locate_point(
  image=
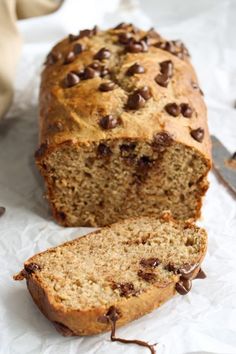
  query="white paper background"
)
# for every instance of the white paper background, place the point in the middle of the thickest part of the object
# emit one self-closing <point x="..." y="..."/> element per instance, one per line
<point x="204" y="321"/>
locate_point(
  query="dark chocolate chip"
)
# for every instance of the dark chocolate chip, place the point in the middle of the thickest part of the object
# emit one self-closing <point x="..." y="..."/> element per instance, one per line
<point x="108" y="122"/>
<point x="86" y="33"/>
<point x="197" y="134"/>
<point x="149" y="277"/>
<point x="135" y="69"/>
<point x="145" y="92"/>
<point x="103" y="53"/>
<point x="52" y="58"/>
<point x="121" y="25"/>
<point x="78" y="48"/>
<point x="73" y="37"/>
<point x="134" y="47"/>
<point x="69" y="58"/>
<point x="127" y="150"/>
<point x="135" y="101"/>
<point x="32" y="267"/>
<point x="149" y="262"/>
<point x="174" y="47"/>
<point x="2" y="210"/>
<point x="173" y="109"/>
<point x="107" y="86"/>
<point x="161" y="141"/>
<point x="89" y="73"/>
<point x="186" y="110"/>
<point x="171" y="268"/>
<point x="103" y="150"/>
<point x="72" y="80"/>
<point x="200" y="274"/>
<point x="166" y="68"/>
<point x="125" y="37"/>
<point x="95" y="65"/>
<point x="162" y="80"/>
<point x="144" y="163"/>
<point x="41" y="150"/>
<point x="63" y="330"/>
<point x="187" y="270"/>
<point x="183" y="286"/>
<point x="125" y="289"/>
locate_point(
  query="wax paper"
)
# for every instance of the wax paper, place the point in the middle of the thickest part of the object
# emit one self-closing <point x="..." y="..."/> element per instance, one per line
<point x="204" y="321"/>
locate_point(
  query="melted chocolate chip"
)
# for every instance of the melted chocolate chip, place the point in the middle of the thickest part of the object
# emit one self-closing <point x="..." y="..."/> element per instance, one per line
<point x="69" y="58"/>
<point x="149" y="262"/>
<point x="147" y="276"/>
<point x="108" y="122"/>
<point x="183" y="286"/>
<point x="113" y="314"/>
<point x="162" y="80"/>
<point x="173" y="109"/>
<point x="78" y="48"/>
<point x="63" y="330"/>
<point x="107" y="86"/>
<point x="32" y="267"/>
<point x="103" y="150"/>
<point x="125" y="38"/>
<point x="135" y="101"/>
<point x="186" y="110"/>
<point x="200" y="274"/>
<point x="102" y="54"/>
<point x="145" y="92"/>
<point x="161" y="141"/>
<point x="71" y="80"/>
<point x="125" y="289"/>
<point x="197" y="134"/>
<point x="2" y="210"/>
<point x="166" y="68"/>
<point x="135" y="69"/>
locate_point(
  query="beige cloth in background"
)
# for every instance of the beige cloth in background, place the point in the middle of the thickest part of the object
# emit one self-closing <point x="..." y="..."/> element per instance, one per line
<point x="10" y="40"/>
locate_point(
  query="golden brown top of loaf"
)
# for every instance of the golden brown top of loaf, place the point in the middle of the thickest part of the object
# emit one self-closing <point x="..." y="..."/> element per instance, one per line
<point x="121" y="83"/>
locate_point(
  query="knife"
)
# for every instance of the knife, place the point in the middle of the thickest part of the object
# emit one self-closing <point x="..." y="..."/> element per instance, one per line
<point x="224" y="163"/>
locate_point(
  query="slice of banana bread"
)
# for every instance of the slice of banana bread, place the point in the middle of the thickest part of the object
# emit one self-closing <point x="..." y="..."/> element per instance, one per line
<point x="132" y="266"/>
<point x="122" y="118"/>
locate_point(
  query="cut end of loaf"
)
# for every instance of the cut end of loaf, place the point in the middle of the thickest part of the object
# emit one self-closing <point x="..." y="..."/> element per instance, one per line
<point x="101" y="183"/>
<point x="133" y="265"/>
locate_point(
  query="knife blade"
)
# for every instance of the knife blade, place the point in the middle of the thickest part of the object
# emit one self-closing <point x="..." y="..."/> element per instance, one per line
<point x="223" y="163"/>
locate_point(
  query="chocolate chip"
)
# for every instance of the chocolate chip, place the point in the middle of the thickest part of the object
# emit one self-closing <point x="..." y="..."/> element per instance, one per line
<point x="149" y="277"/>
<point x="135" y="101"/>
<point x="174" y="47"/>
<point x="125" y="289"/>
<point x="89" y="73"/>
<point x="32" y="267"/>
<point x="183" y="286"/>
<point x="197" y="134"/>
<point x="149" y="262"/>
<point x="86" y="33"/>
<point x="73" y="37"/>
<point x="69" y="58"/>
<point x="143" y="164"/>
<point x="107" y="86"/>
<point x="161" y="141"/>
<point x="145" y="92"/>
<point x="200" y="274"/>
<point x="153" y="34"/>
<point x="95" y="65"/>
<point x="113" y="314"/>
<point x="41" y="150"/>
<point x="103" y="53"/>
<point x="63" y="330"/>
<point x="171" y="268"/>
<point x="187" y="270"/>
<point x="173" y="109"/>
<point x="95" y="30"/>
<point x="134" y="47"/>
<point x="166" y="68"/>
<point x="103" y="150"/>
<point x="125" y="37"/>
<point x="135" y="69"/>
<point x="52" y="58"/>
<point x="72" y="80"/>
<point x="108" y="122"/>
<point x="126" y="150"/>
<point x="2" y="210"/>
<point x="162" y="80"/>
<point x="186" y="110"/>
<point x="78" y="48"/>
<point x="121" y="25"/>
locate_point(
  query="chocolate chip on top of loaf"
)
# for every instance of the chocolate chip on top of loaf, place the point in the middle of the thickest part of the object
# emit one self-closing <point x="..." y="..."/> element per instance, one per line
<point x="120" y="87"/>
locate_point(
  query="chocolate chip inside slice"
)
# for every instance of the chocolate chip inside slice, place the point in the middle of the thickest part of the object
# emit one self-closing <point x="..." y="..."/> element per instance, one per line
<point x="173" y="109"/>
<point x="72" y="80"/>
<point x="197" y="134"/>
<point x="125" y="289"/>
<point x="103" y="150"/>
<point x="186" y="110"/>
<point x="2" y="210"/>
<point x="108" y="122"/>
<point x="102" y="54"/>
<point x="147" y="276"/>
<point x="135" y="101"/>
<point x="162" y="80"/>
<point x="107" y="86"/>
<point x="135" y="69"/>
<point x="149" y="262"/>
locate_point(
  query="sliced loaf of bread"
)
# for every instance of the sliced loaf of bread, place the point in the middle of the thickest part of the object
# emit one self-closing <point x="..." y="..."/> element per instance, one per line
<point x="115" y="274"/>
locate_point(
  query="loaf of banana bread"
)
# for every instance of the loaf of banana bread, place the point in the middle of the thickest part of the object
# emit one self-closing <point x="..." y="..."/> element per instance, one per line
<point x="123" y="128"/>
<point x="117" y="273"/>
